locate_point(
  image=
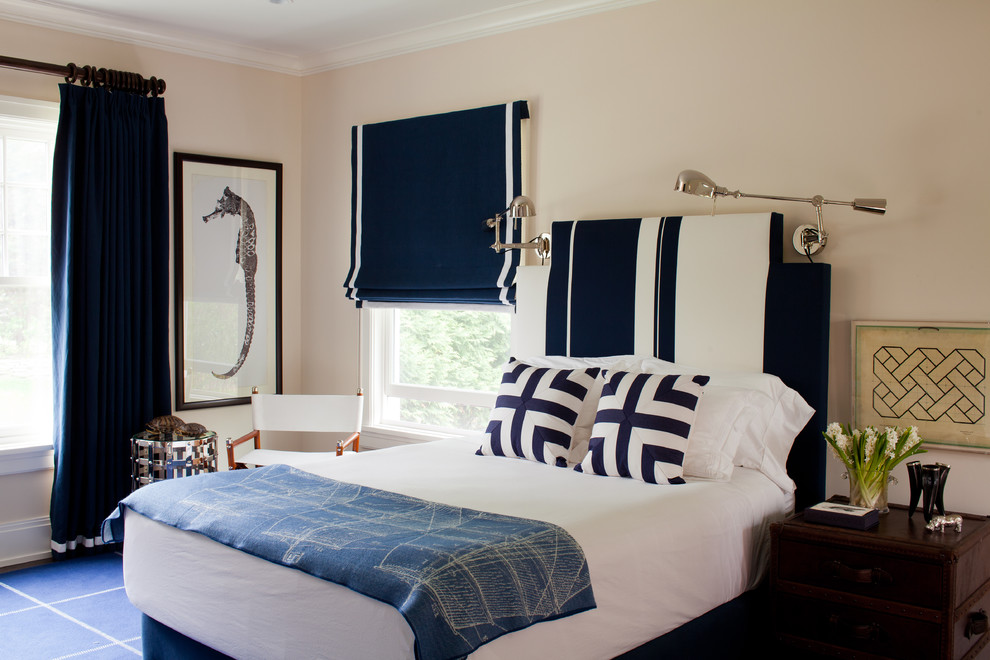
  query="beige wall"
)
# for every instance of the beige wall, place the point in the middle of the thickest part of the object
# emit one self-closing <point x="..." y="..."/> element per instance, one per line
<point x="212" y="108"/>
<point x="842" y="98"/>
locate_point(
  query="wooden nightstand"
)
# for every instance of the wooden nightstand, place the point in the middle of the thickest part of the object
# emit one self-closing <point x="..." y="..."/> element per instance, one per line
<point x="895" y="591"/>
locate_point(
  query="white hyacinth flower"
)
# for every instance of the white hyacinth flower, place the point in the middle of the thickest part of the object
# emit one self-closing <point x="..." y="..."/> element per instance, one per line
<point x="892" y="435"/>
<point x="871" y="441"/>
<point x="913" y="438"/>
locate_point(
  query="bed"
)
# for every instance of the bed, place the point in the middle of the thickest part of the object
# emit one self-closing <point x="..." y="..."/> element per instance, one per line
<point x="674" y="568"/>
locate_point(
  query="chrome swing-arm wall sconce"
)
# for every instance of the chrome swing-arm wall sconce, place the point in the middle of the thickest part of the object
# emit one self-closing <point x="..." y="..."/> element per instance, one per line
<point x="521" y="207"/>
<point x="808" y="239"/>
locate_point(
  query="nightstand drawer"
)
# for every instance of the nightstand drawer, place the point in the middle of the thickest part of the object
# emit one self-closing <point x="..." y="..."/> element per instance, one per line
<point x="861" y="572"/>
<point x="857" y="628"/>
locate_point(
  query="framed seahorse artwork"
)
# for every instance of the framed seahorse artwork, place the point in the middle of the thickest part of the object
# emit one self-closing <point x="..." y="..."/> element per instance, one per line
<point x="228" y="279"/>
<point x="929" y="375"/>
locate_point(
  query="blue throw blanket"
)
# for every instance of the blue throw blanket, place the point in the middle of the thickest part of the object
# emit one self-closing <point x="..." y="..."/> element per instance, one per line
<point x="459" y="577"/>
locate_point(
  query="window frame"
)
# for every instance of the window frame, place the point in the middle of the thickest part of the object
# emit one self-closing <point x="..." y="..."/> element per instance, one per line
<point x="22" y="450"/>
<point x="378" y="368"/>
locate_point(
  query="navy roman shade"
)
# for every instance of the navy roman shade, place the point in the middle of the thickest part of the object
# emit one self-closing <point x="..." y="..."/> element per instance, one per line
<point x="421" y="190"/>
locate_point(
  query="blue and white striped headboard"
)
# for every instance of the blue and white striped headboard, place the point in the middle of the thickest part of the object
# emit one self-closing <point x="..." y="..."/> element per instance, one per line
<point x="708" y="291"/>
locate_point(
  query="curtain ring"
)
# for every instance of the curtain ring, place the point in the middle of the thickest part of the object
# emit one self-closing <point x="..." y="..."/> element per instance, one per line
<point x="71" y="78"/>
<point x="87" y="76"/>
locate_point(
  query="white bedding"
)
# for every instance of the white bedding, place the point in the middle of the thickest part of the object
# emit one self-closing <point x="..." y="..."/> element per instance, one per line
<point x="658" y="556"/>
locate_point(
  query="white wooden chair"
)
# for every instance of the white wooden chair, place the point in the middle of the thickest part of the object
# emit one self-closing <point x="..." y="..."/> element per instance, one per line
<point x="319" y="413"/>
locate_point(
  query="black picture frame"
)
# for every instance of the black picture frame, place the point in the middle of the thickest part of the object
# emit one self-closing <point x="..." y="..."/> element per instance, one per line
<point x="227" y="226"/>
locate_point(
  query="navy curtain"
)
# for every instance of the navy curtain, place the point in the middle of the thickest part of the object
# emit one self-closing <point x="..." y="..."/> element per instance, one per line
<point x="109" y="300"/>
<point x="422" y="189"/>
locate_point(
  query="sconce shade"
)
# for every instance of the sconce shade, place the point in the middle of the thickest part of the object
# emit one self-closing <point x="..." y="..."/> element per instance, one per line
<point x="694" y="182"/>
<point x="521" y="207"/>
<point x="871" y="205"/>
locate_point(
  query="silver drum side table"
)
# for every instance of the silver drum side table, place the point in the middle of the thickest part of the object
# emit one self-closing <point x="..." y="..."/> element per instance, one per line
<point x="158" y="456"/>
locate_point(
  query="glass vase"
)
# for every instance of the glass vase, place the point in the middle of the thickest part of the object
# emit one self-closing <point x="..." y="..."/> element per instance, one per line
<point x="869" y="493"/>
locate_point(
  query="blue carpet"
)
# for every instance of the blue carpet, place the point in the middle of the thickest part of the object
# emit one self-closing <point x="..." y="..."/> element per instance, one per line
<point x="69" y="609"/>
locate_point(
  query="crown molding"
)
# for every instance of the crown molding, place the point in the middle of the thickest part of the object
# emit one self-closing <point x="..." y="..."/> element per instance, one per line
<point x="100" y="26"/>
<point x="499" y="21"/>
<point x="514" y="17"/>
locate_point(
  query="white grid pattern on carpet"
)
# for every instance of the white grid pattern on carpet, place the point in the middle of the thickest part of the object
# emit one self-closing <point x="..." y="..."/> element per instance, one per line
<point x="69" y="609"/>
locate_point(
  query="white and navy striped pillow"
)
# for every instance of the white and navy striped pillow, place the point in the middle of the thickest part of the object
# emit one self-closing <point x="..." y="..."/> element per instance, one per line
<point x="536" y="412"/>
<point x="642" y="426"/>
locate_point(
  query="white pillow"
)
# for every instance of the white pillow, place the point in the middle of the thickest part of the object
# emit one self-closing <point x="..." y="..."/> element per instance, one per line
<point x="725" y="415"/>
<point x="536" y="411"/>
<point x="565" y="362"/>
<point x="789" y="416"/>
<point x="642" y="426"/>
<point x="765" y="439"/>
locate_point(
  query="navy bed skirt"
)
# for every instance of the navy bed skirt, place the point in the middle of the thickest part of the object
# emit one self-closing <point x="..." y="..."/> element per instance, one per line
<point x="159" y="642"/>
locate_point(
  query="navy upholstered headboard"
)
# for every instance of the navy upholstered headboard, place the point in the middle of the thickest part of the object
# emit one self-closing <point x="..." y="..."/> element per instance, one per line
<point x="708" y="291"/>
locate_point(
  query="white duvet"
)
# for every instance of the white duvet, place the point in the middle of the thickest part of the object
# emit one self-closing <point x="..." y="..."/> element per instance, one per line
<point x="658" y="556"/>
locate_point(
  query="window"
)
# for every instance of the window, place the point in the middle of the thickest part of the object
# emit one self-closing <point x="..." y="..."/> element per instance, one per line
<point x="436" y="370"/>
<point x="27" y="138"/>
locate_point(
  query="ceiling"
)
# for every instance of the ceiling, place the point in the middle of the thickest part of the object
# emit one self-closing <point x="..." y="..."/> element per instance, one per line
<point x="296" y="36"/>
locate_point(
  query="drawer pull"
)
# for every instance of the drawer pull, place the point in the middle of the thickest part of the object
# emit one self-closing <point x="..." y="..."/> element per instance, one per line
<point x="839" y="571"/>
<point x="977" y="624"/>
<point x="860" y="631"/>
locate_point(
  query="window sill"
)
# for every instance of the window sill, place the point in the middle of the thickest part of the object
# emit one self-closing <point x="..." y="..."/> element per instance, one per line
<point x="25" y="456"/>
<point x="382" y="436"/>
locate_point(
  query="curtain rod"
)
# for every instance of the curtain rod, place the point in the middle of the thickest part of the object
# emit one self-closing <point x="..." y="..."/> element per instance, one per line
<point x="110" y="79"/>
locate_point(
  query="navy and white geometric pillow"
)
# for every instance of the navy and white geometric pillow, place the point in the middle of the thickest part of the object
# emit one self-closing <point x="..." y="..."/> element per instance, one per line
<point x="642" y="426"/>
<point x="535" y="412"/>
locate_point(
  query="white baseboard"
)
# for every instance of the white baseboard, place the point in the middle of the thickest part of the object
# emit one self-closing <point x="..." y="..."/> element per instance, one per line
<point x="23" y="541"/>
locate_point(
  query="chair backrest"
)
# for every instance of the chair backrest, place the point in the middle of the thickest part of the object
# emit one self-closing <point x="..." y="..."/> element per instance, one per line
<point x="307" y="412"/>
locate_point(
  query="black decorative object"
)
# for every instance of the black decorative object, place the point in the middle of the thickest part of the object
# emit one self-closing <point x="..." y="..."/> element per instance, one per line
<point x="943" y="475"/>
<point x="929" y="486"/>
<point x="914" y="479"/>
